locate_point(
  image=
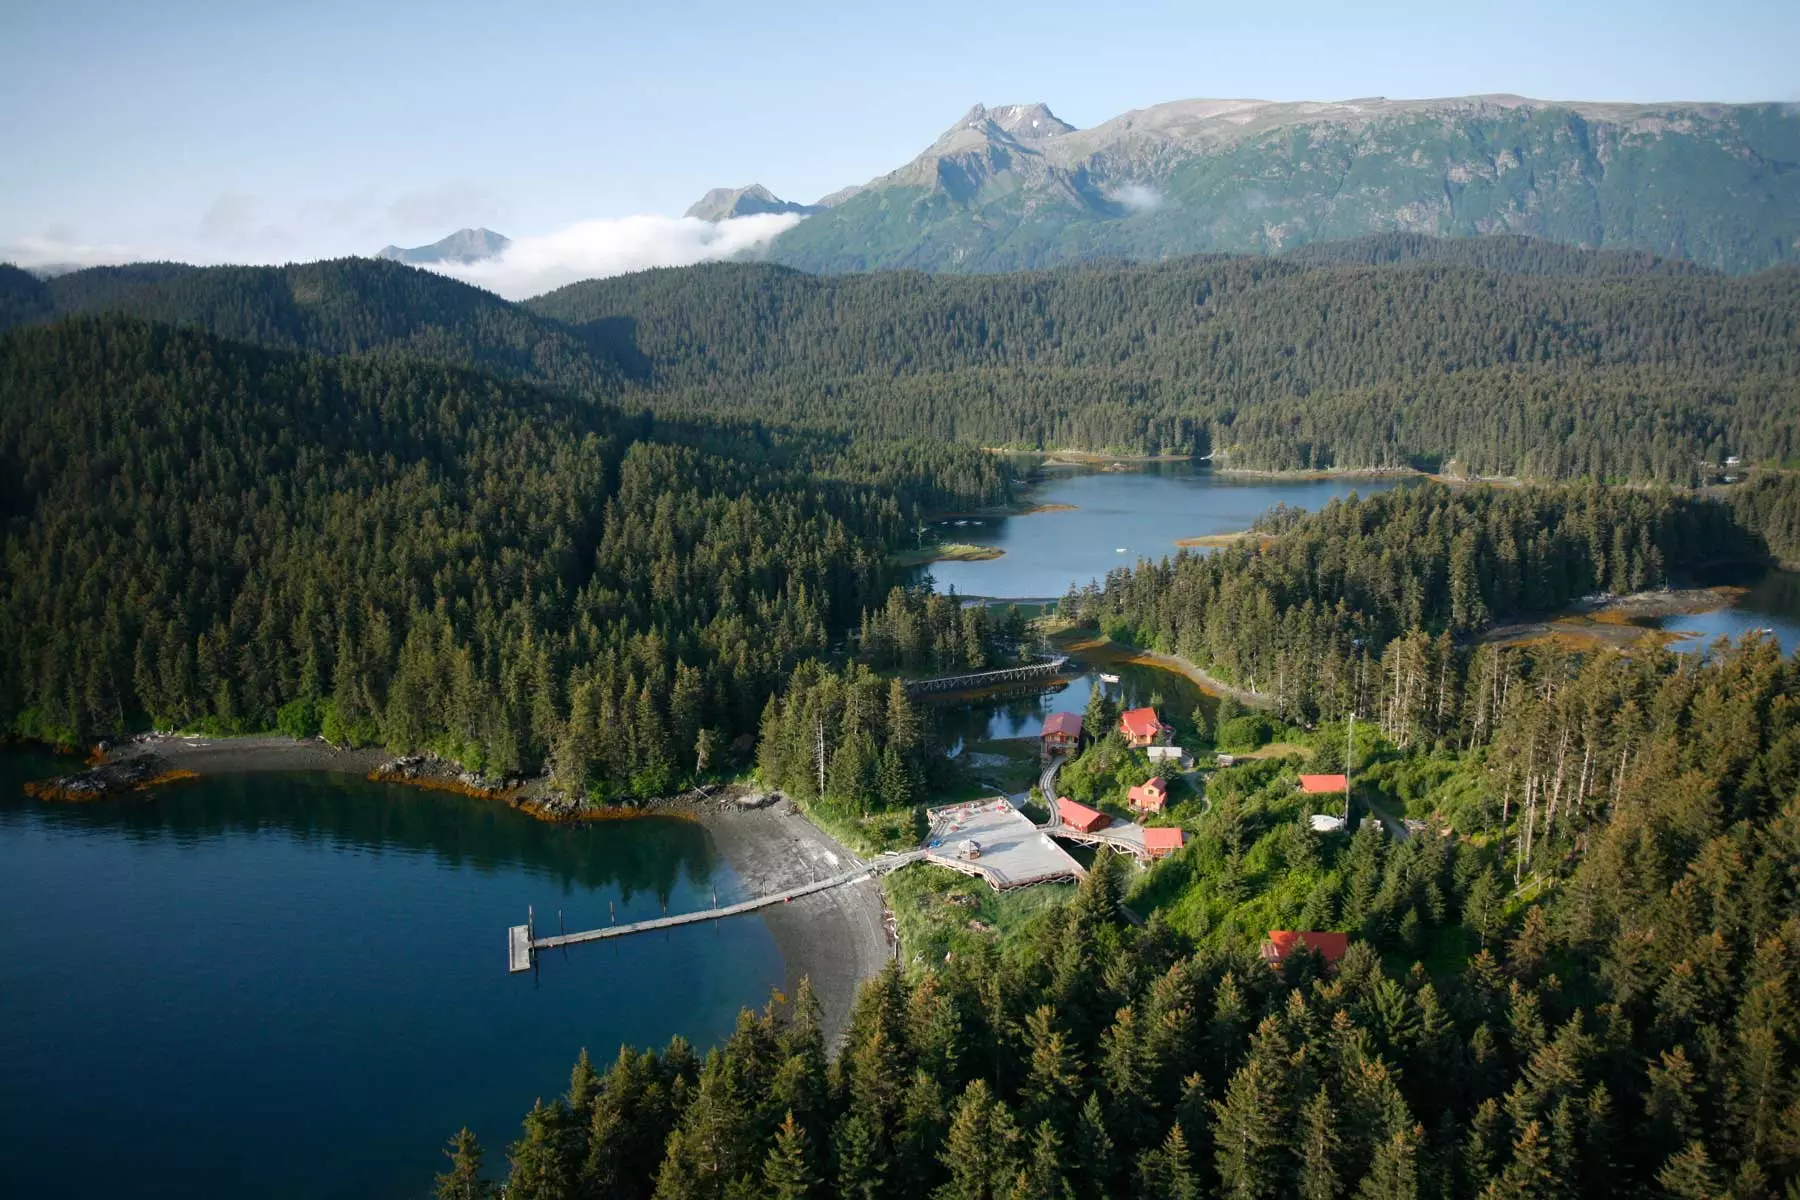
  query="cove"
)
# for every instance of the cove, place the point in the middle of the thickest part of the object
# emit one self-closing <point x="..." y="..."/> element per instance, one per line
<point x="295" y="985"/>
<point x="1142" y="508"/>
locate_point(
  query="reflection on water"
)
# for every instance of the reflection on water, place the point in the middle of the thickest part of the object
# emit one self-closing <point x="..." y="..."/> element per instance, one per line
<point x="1021" y="714"/>
<point x="1142" y="511"/>
<point x="1770" y="602"/>
<point x="296" y="985"/>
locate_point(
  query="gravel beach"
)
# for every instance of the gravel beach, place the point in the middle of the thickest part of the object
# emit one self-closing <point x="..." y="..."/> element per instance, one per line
<point x="837" y="938"/>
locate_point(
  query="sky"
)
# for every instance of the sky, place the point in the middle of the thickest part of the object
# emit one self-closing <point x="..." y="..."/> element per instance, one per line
<point x="250" y="131"/>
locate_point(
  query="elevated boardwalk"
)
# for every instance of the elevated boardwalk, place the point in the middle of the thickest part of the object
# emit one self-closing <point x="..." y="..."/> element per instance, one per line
<point x="1035" y="672"/>
<point x="522" y="946"/>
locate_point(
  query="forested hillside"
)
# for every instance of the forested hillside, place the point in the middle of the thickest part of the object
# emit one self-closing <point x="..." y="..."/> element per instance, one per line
<point x="1623" y="1026"/>
<point x="342" y="306"/>
<point x="1495" y="356"/>
<point x="201" y="534"/>
<point x="1612" y="373"/>
<point x="1305" y="618"/>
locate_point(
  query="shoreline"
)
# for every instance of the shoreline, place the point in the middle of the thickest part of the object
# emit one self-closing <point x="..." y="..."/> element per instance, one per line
<point x="837" y="938"/>
<point x="1101" y="649"/>
<point x="1616" y="621"/>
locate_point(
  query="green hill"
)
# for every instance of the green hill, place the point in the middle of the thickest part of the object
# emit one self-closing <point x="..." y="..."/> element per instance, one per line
<point x="341" y="306"/>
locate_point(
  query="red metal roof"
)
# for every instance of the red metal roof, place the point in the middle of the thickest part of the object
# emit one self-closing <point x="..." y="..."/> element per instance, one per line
<point x="1141" y="722"/>
<point x="1162" y="837"/>
<point x="1080" y="816"/>
<point x="1066" y="723"/>
<point x="1283" y="942"/>
<point x="1323" y="785"/>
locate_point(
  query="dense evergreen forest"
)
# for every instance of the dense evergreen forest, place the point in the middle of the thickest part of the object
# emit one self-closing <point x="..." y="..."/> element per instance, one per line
<point x="201" y="534"/>
<point x="1621" y="1025"/>
<point x="1264" y="363"/>
<point x="1303" y="618"/>
<point x="1492" y="356"/>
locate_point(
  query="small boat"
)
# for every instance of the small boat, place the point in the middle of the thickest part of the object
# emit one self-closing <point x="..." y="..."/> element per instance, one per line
<point x="1105" y="678"/>
<point x="960" y="524"/>
<point x="1118" y="549"/>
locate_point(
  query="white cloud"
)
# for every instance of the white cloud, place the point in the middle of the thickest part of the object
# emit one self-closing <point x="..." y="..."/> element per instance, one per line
<point x="58" y="249"/>
<point x="613" y="246"/>
<point x="1136" y="197"/>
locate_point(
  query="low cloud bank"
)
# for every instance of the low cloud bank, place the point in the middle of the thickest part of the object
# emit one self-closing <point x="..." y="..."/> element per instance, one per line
<point x="53" y="254"/>
<point x="614" y="246"/>
<point x="1136" y="197"/>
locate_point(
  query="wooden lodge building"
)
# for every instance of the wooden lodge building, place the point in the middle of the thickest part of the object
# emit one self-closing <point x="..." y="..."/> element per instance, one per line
<point x="1142" y="728"/>
<point x="1151" y="796"/>
<point x="1080" y="817"/>
<point x="1160" y="841"/>
<point x="1061" y="734"/>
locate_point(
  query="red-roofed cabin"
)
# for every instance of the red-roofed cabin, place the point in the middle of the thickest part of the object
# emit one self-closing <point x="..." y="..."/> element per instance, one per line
<point x="1324" y="785"/>
<point x="1062" y="731"/>
<point x="1142" y="727"/>
<point x="1160" y="841"/>
<point x="1079" y="817"/>
<point x="1150" y="796"/>
<point x="1284" y="942"/>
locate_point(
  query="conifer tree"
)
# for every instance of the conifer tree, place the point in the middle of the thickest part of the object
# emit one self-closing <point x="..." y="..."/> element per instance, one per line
<point x="463" y="1180"/>
<point x="787" y="1173"/>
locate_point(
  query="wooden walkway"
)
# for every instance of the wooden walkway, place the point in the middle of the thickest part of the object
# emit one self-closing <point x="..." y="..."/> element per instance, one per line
<point x="1048" y="669"/>
<point x="522" y="946"/>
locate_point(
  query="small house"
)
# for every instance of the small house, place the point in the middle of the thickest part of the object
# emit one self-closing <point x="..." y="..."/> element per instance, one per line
<point x="1162" y="841"/>
<point x="1326" y="823"/>
<point x="1283" y="943"/>
<point x="1079" y="817"/>
<point x="1062" y="733"/>
<point x="1142" y="727"/>
<point x="1168" y="754"/>
<point x="1150" y="796"/>
<point x="1324" y="785"/>
<point x="1225" y="760"/>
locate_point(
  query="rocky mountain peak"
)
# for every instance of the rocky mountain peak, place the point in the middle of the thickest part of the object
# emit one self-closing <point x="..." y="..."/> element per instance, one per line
<point x="463" y="246"/>
<point x="721" y="204"/>
<point x="1016" y="122"/>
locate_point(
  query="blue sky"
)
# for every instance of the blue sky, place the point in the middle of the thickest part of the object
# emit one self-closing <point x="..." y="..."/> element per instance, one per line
<point x="259" y="131"/>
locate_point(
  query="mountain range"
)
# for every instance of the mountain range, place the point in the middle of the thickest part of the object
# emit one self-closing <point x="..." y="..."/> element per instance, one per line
<point x="1016" y="187"/>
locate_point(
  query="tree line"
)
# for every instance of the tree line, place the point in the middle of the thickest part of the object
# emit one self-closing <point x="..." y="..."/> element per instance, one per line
<point x="202" y="534"/>
<point x="1305" y="619"/>
<point x="1482" y="357"/>
<point x="1622" y="1026"/>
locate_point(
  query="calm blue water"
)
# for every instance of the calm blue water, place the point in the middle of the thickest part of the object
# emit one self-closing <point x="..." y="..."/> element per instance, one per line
<point x="296" y="986"/>
<point x="1770" y="602"/>
<point x="1143" y="510"/>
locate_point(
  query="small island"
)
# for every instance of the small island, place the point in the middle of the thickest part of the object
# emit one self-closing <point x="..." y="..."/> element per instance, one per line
<point x="946" y="552"/>
<point x="1218" y="540"/>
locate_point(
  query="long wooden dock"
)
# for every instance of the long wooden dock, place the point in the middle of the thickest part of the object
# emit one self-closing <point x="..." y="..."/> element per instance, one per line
<point x="1046" y="670"/>
<point x="522" y="946"/>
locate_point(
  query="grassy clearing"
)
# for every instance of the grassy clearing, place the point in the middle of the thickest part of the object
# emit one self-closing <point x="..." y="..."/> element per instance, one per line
<point x="940" y="912"/>
<point x="876" y="833"/>
<point x="921" y="556"/>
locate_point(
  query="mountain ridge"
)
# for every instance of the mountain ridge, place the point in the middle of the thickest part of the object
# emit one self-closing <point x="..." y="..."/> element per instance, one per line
<point x="1015" y="187"/>
<point x="465" y="246"/>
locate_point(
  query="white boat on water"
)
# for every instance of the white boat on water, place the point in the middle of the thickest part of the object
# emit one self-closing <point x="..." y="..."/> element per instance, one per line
<point x="1105" y="678"/>
<point x="1118" y="549"/>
